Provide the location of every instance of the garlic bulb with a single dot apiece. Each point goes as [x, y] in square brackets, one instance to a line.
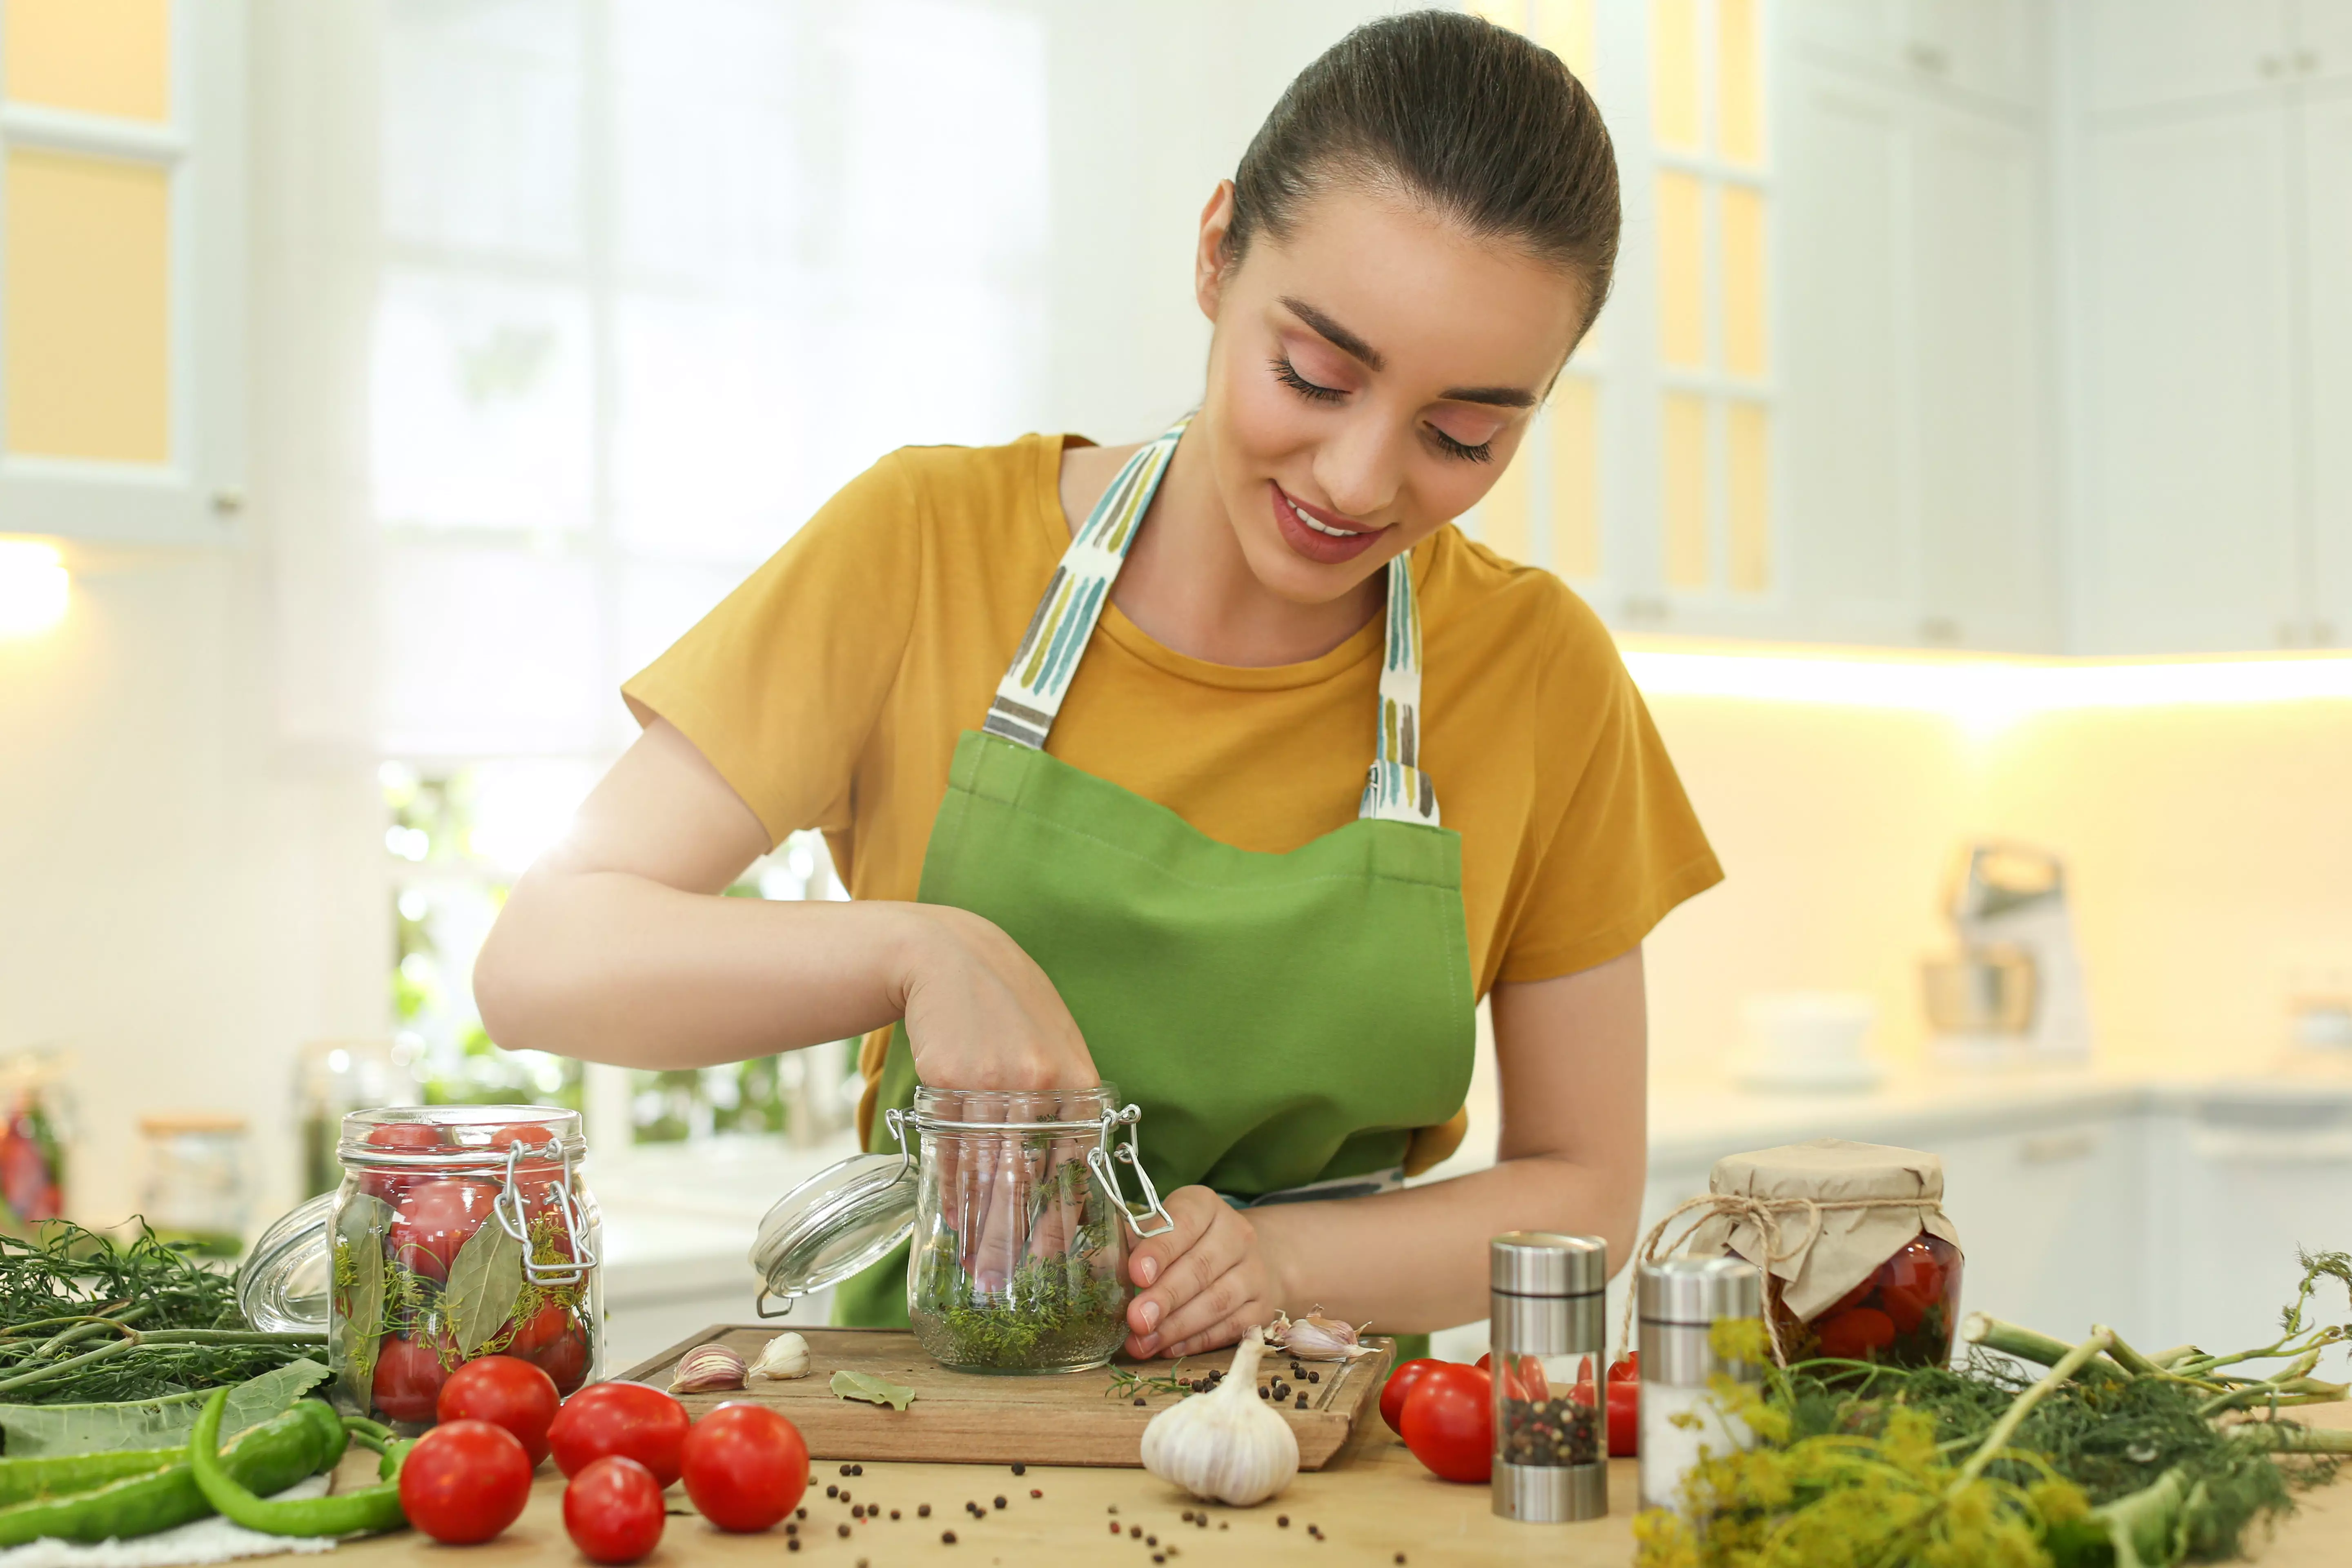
[1225, 1445]
[785, 1356]
[705, 1368]
[1317, 1337]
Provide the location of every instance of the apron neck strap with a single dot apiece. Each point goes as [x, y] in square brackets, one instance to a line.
[1030, 696]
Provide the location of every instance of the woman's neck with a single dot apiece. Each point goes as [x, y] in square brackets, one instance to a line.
[1187, 585]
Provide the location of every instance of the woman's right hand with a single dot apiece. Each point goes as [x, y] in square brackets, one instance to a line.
[980, 1013]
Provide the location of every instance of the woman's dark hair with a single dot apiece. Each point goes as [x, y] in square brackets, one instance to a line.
[1487, 128]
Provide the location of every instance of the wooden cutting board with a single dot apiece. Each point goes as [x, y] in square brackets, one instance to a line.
[1063, 1418]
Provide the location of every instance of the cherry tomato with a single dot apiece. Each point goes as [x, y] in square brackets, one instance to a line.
[1400, 1383]
[434, 1221]
[1853, 1334]
[1624, 1416]
[546, 1326]
[465, 1481]
[1914, 1282]
[1517, 1383]
[505, 1392]
[632, 1419]
[1449, 1422]
[394, 1186]
[613, 1511]
[565, 1360]
[408, 1378]
[745, 1467]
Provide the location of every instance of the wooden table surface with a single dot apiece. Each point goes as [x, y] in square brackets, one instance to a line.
[1372, 1503]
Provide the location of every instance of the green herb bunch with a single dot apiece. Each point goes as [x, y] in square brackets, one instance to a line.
[2110, 1458]
[1060, 1306]
[85, 1318]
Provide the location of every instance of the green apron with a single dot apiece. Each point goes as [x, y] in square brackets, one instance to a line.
[1285, 1021]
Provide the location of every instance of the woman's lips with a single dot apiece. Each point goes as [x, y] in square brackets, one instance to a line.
[1304, 531]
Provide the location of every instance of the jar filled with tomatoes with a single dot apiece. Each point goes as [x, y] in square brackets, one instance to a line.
[457, 1232]
[1859, 1261]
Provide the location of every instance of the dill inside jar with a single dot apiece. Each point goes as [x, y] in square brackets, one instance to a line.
[1019, 1261]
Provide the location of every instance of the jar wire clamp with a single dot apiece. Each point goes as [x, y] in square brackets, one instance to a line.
[508, 1209]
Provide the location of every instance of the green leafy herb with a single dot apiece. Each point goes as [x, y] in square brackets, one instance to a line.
[485, 1280]
[34, 1430]
[874, 1390]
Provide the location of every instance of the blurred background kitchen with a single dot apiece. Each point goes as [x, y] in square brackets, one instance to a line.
[1965, 462]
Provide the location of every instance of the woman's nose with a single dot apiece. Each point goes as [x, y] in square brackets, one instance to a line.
[1361, 467]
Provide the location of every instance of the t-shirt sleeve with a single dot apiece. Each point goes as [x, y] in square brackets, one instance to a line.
[1624, 847]
[780, 686]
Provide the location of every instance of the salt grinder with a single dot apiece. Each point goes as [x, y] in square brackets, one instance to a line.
[1679, 1299]
[1549, 1327]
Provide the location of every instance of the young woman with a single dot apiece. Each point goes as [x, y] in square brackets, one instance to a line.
[1223, 767]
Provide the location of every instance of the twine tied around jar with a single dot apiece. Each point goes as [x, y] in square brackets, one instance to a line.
[1764, 1214]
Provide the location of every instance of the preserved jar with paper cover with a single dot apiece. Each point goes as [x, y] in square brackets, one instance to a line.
[456, 1232]
[1860, 1262]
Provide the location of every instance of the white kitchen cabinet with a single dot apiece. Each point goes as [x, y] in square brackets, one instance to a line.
[1917, 369]
[2328, 229]
[2324, 41]
[1988, 48]
[2150, 52]
[2191, 538]
[2050, 1217]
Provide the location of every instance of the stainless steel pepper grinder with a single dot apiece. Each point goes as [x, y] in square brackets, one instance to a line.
[1547, 1322]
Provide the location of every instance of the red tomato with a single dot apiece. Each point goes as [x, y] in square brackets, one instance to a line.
[632, 1419]
[1514, 1387]
[394, 1186]
[1449, 1422]
[434, 1221]
[1400, 1383]
[613, 1511]
[465, 1481]
[1853, 1334]
[745, 1467]
[1914, 1280]
[547, 1325]
[565, 1361]
[505, 1392]
[1624, 1416]
[1626, 1368]
[408, 1378]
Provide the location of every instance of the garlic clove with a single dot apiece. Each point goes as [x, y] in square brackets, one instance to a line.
[1317, 1337]
[705, 1368]
[1225, 1445]
[785, 1356]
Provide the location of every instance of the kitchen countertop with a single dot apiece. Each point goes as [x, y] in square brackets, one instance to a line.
[1370, 1505]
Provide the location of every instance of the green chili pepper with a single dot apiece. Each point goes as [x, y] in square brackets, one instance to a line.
[371, 1509]
[270, 1457]
[62, 1475]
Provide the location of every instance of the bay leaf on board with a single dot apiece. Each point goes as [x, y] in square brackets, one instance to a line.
[485, 1282]
[872, 1389]
[34, 1430]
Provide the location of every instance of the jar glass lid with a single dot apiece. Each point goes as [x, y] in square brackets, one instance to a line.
[833, 1225]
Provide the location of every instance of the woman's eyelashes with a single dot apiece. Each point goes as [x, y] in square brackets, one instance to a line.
[1287, 373]
[1315, 392]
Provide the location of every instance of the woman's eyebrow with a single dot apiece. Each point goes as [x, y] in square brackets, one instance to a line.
[1357, 348]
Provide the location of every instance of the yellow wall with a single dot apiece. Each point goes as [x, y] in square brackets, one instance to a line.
[2208, 846]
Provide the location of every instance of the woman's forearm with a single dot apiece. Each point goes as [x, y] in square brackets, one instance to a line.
[615, 967]
[1416, 1260]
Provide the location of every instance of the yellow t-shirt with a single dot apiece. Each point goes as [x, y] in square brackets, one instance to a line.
[829, 690]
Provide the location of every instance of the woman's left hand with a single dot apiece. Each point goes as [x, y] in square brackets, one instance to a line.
[1204, 1284]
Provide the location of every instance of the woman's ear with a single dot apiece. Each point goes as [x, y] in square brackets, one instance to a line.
[1209, 259]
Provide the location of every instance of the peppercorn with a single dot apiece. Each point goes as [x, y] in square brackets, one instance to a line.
[794, 1544]
[924, 1511]
[1151, 1540]
[894, 1513]
[845, 1494]
[1283, 1519]
[845, 1469]
[1314, 1377]
[1399, 1556]
[792, 1529]
[1019, 1468]
[800, 1513]
[1135, 1532]
[857, 1469]
[842, 1530]
[833, 1491]
[947, 1536]
[1302, 1402]
[1139, 1399]
[1000, 1500]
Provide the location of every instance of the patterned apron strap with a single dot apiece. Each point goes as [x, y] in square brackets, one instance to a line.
[1398, 790]
[1029, 695]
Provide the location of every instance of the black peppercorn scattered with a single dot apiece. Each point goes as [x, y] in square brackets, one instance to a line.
[1000, 1500]
[1156, 1557]
[841, 1530]
[1151, 1540]
[857, 1469]
[1019, 1468]
[1302, 1402]
[1112, 1509]
[833, 1491]
[845, 1494]
[1399, 1556]
[792, 1529]
[857, 1513]
[924, 1511]
[947, 1536]
[845, 1469]
[1188, 1516]
[1283, 1519]
[1136, 1531]
[1139, 1399]
[1224, 1524]
[894, 1513]
[1314, 1377]
[794, 1544]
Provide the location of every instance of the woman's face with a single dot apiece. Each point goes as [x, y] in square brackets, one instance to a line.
[1368, 380]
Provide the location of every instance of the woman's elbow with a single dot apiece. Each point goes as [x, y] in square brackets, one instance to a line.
[511, 989]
